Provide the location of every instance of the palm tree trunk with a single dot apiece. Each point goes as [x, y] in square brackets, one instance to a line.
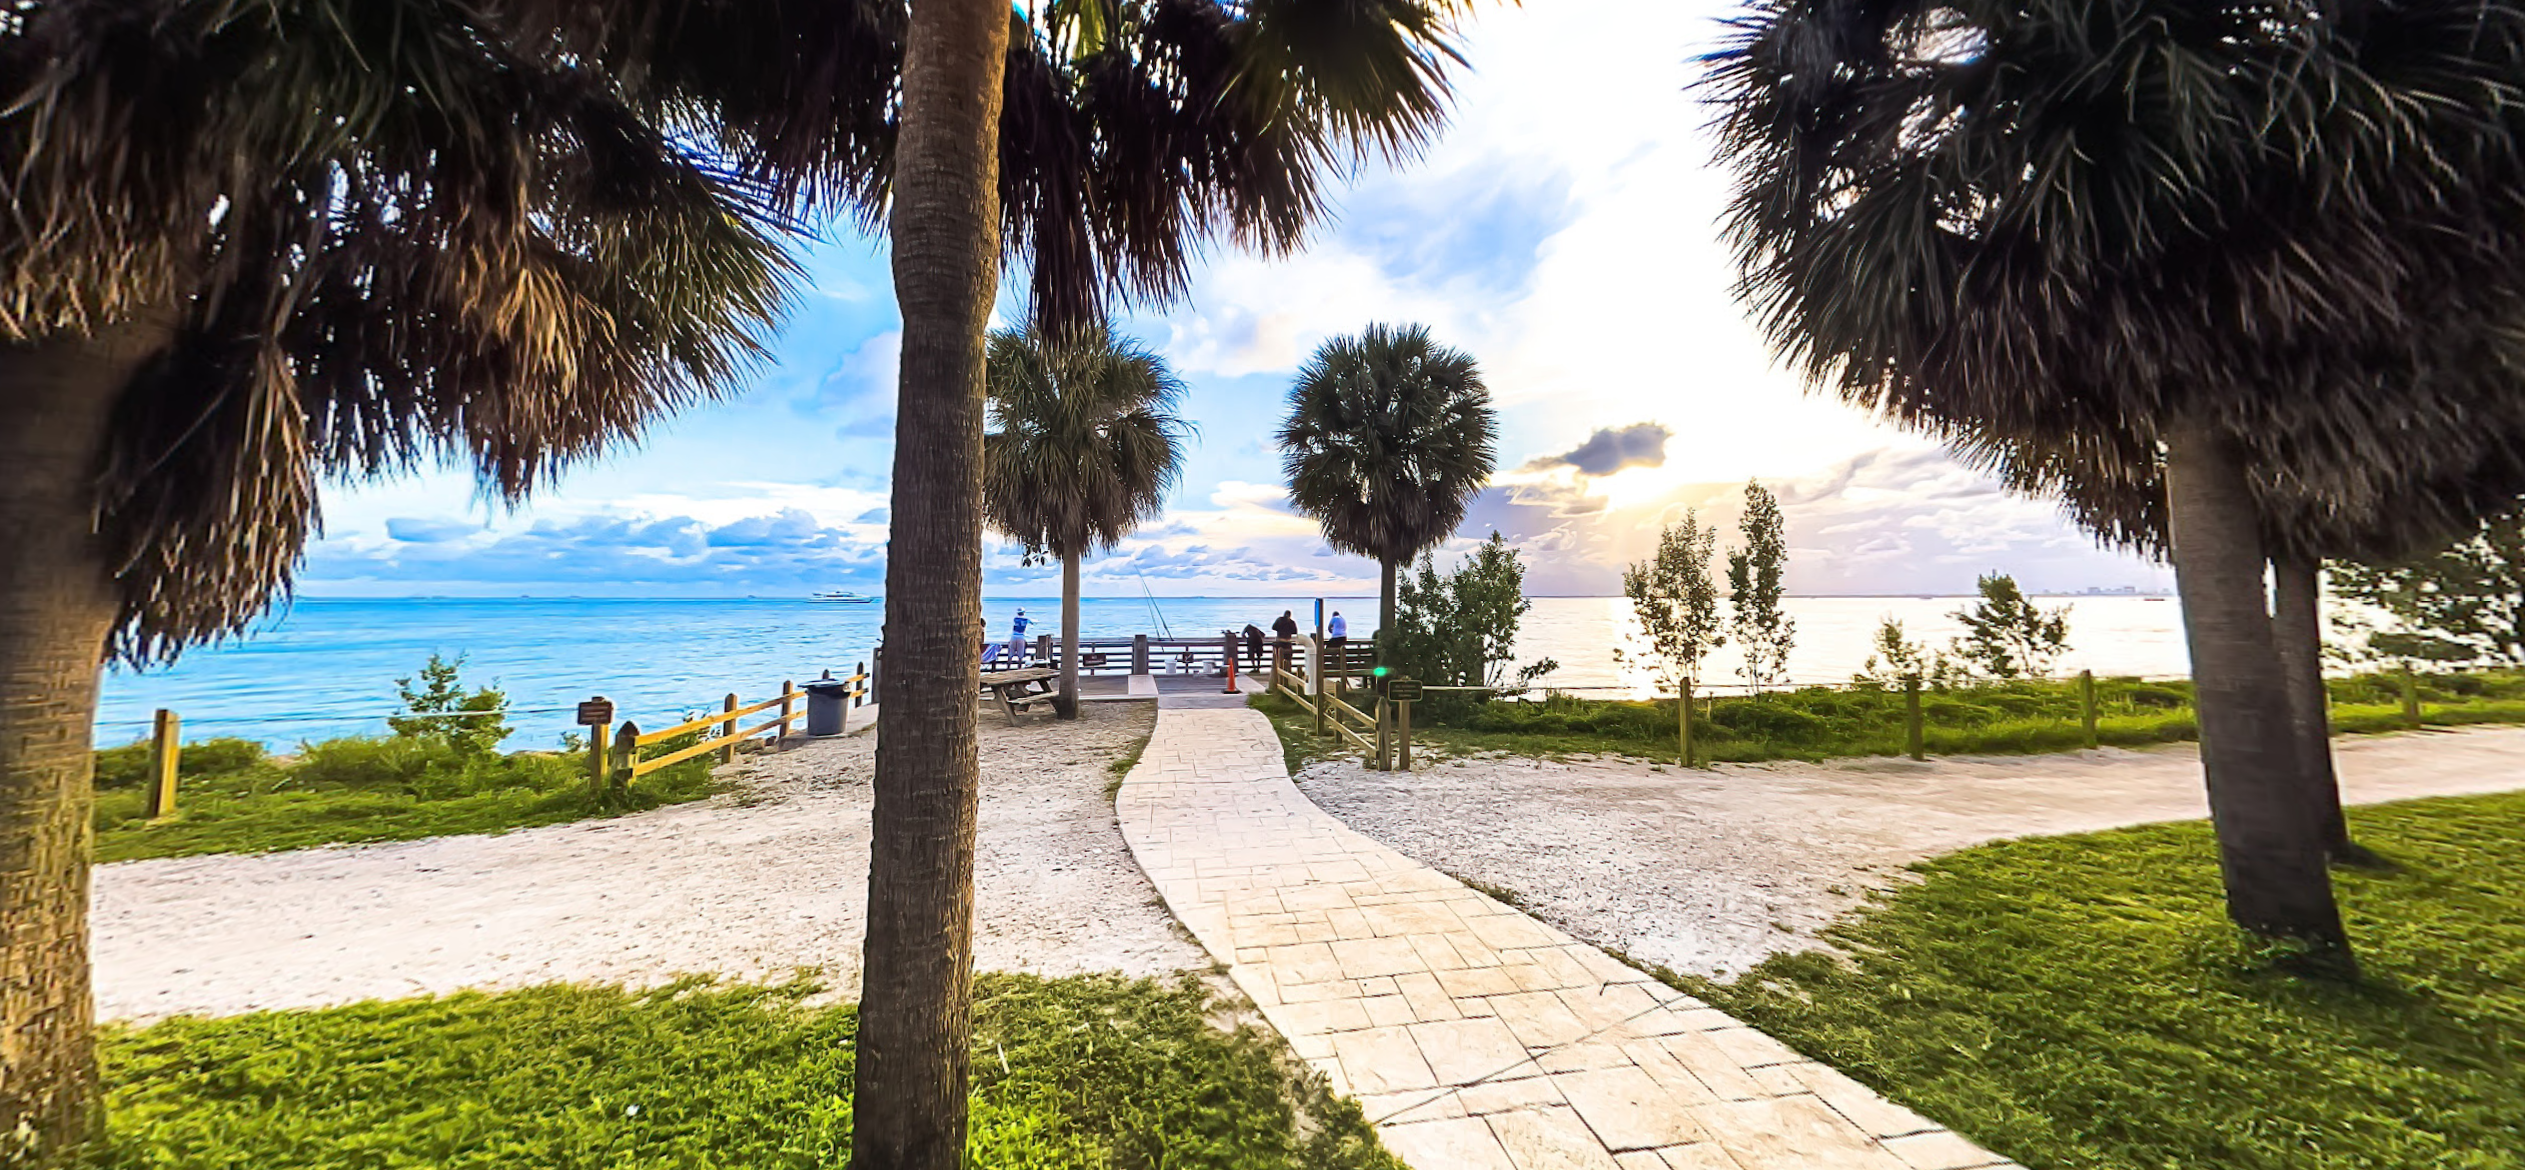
[57, 607]
[915, 1021]
[1067, 705]
[2297, 627]
[1384, 605]
[2270, 842]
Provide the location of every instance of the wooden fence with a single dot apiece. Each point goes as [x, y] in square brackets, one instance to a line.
[624, 762]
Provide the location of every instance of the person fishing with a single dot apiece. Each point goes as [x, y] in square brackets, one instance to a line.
[1017, 638]
[1253, 646]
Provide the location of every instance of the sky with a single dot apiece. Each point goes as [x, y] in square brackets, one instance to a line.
[1563, 231]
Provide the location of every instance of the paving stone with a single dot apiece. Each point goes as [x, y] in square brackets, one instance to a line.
[1365, 958]
[1460, 1052]
[1464, 1142]
[1383, 1060]
[1627, 1109]
[1549, 1137]
[1699, 1156]
[1792, 1133]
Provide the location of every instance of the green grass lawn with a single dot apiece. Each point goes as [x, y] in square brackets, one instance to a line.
[232, 798]
[2081, 1001]
[1081, 1072]
[1816, 723]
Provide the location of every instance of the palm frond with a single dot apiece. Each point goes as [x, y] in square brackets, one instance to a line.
[388, 235]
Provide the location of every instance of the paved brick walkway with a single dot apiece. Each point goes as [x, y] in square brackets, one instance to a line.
[1475, 1037]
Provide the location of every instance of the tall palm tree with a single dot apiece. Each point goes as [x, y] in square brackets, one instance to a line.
[1085, 443]
[1389, 436]
[2175, 220]
[253, 247]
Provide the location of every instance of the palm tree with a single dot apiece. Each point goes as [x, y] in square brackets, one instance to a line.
[1389, 436]
[2228, 231]
[251, 249]
[1084, 446]
[1106, 158]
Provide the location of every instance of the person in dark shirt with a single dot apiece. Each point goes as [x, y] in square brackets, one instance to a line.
[1253, 646]
[1283, 629]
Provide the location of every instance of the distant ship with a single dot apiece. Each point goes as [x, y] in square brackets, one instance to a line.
[845, 599]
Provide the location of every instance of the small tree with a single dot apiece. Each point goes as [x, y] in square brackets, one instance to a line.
[2006, 635]
[1894, 658]
[474, 724]
[2463, 604]
[1460, 628]
[1763, 631]
[1676, 604]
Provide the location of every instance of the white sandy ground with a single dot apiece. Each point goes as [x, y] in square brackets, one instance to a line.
[1710, 871]
[750, 885]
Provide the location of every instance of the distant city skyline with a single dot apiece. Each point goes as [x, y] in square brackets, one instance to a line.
[1563, 232]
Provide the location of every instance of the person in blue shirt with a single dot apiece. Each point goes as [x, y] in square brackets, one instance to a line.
[1337, 628]
[1017, 638]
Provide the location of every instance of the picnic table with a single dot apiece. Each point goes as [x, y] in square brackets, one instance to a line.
[1017, 690]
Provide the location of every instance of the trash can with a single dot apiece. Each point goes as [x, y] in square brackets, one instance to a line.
[828, 704]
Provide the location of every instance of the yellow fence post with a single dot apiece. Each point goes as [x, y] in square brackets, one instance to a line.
[166, 747]
[727, 730]
[788, 697]
[599, 737]
[1403, 732]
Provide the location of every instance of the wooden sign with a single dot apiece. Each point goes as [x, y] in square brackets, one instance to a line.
[596, 713]
[1403, 690]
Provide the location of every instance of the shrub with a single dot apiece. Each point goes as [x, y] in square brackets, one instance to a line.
[128, 766]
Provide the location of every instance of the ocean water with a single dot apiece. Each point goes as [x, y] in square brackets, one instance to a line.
[325, 667]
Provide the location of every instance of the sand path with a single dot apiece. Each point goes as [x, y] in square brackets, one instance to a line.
[750, 884]
[1710, 871]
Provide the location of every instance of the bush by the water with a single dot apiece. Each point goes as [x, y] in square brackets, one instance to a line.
[430, 779]
[1085, 1073]
[1814, 723]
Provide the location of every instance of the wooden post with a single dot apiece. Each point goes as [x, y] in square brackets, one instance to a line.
[599, 743]
[1140, 654]
[1403, 717]
[2410, 698]
[859, 694]
[788, 698]
[1911, 718]
[727, 730]
[1683, 725]
[1383, 748]
[2086, 705]
[1315, 679]
[166, 753]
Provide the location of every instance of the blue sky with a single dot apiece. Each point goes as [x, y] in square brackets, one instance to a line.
[1563, 232]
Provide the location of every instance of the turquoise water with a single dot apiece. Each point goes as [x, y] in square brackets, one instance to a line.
[327, 667]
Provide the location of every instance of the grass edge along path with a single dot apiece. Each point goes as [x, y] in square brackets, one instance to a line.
[1820, 723]
[2081, 1002]
[1072, 1073]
